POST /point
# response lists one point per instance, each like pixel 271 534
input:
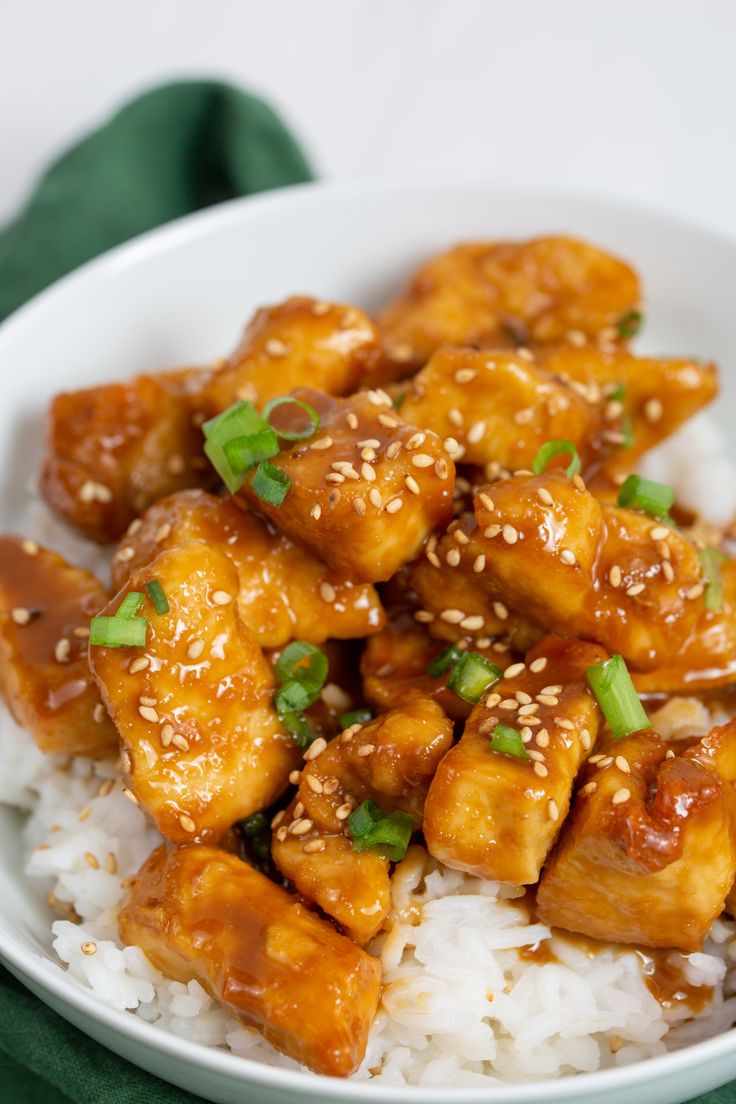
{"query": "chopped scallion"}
pixel 118 632
pixel 302 662
pixel 642 494
pixel 472 676
pixel 242 453
pixel 619 392
pixel 130 604
pixel 226 444
pixel 254 825
pixel 373 829
pixel 270 483
pixel 292 697
pixel 711 560
pixel 293 435
pixel 356 716
pixel 157 596
pixel 444 661
pixel 297 725
pixel 611 683
pixel 630 323
pixel 627 431
pixel 557 448
pixel 398 400
pixel 508 741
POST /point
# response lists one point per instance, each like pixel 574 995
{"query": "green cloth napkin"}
pixel 169 152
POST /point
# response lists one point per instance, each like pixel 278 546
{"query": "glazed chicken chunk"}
pixel 301 342
pixel 496 813
pixel 45 608
pixel 113 450
pixel 390 760
pixel 199 912
pixel 501 407
pixel 648 853
pixel 503 293
pixel 366 491
pixel 202 746
pixel 614 575
pixel 280 583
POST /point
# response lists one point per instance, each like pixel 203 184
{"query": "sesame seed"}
pixel 537 756
pixel 492 701
pixel 99 713
pixel 279 815
pixel 387 421
pixel 522 697
pixel 491 531
pixel 694 591
pixel 367 472
pixel 578 482
pixel 88 947
pixel 668 571
pixel 125 554
pixel 321 443
pixel 453 448
pixel 366 749
pixel 195 649
pixel 525 354
pixel 589 788
pixel 476 432
pixel 369 442
pixel 138 664
pixel 622 764
pixel 415 441
pixel 615 576
pixel 352 420
pixel 62 650
pixel 434 559
pixel 221 598
pixel 461 536
pixel 576 338
pixel 316 512
pixel 586 739
pixel 94 492
pixel 669 754
pixel 653 410
pixel 543 738
pixel 453 557
pixel 465 375
pixel 275 348
pixel 311 846
pixel 394 505
pixel 180 742
pixel 148 713
pixel 148 701
pixel 509 703
pixel 538 665
pixel 441 469
pixel 162 533
pixel 314 784
pixel 359 506
pixel 393 450
pixel 301 827
pixel 167 734
pixel 29 547
pixel 368 454
pixel 541 770
pixel 500 611
pixel 479 563
pixel 523 417
pixel 548 699
pixel 486 501
pixel 81 633
pixel 424 617
pixel 473 623
pixel 315 748
pixel 562 722
pixel 344 811
pixel 514 670
pixel 664 550
pixel 455 417
pixel 510 535
pixel 526 734
pixel 187 823
pixel 91 860
pixel 605 762
pixel 659 533
pixel 327 592
pixel 529 709
pixel 422 460
pixel 282 833
pixel 567 556
pixel 334 477
pixel 545 497
pixel 637 588
pixel 552 810
pixel 452 616
pixel 620 796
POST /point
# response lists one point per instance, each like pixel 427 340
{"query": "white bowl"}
pixel 181 295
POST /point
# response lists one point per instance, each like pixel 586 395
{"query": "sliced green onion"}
pixel 556 448
pixel 611 683
pixel 619 392
pixel 239 422
pixel 297 725
pixel 254 825
pixel 118 632
pixel 508 741
pixel 292 697
pixel 444 661
pixel 157 596
pixel 261 846
pixel 292 435
pixel 291 665
pixel 270 483
pixel 472 676
pixel 711 560
pixel 630 323
pixel 642 494
pixel 356 716
pixel 130 604
pixel 399 400
pixel 627 432
pixel 374 829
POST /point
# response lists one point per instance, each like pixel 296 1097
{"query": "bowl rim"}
pixel 48 975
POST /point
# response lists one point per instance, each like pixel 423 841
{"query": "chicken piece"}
pixel 113 450
pixel 280 584
pixel 604 573
pixel 301 342
pixel 501 406
pixel 453 603
pixel 504 293
pixel 45 607
pixel 707 659
pixel 199 912
pixel 202 746
pixel 391 760
pixel 658 394
pixel 366 491
pixel 648 853
pixel 497 815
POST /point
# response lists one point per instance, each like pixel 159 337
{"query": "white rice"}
pixel 460 1006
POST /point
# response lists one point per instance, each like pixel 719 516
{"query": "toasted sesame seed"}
pixel 334 477
pixel 81 632
pixel 586 739
pixel 548 699
pixel 301 827
pixel 180 741
pixel 637 588
pixel 375 499
pixel 620 796
pixel 393 450
pixel 140 663
pixel 605 762
pixel 543 738
pixel 411 484
pixel 523 417
pixel 148 713
pixel 387 421
pixel 29 547
pixel 455 416
pixel 415 441
pixel 553 810
pixel 479 563
pixel 664 550
pixel 578 482
pixel 167 734
pixel 344 811
pixel 508 703
pixel 491 531
pixel 514 670
pixel 472 624
pixel 282 833
pixel 221 598
pixel 88 947
pixel 352 419
pixel 195 649
pixel 492 701
pixel 668 571
pixel 321 443
pixel 500 611
pixel 314 784
pixel 694 591
pixel 465 375
pixel 62 650
pixel 562 722
pixel 162 533
pixel 589 788
pixel 327 591
pixel 422 460
pixel 615 576
pixel 567 556
pixel 148 701
pixel 369 442
pixel 314 845
pixel 545 497
pixel 187 823
pixel 622 764
pixel 486 501
pixel 275 348
pixel 537 756
pixel 94 492
pixel 441 469
pixel 510 535
pixel 538 664
pixel 476 432
pixel 529 709
pixel 279 815
pixel 99 713
pixel 522 697
pixel 526 734
pixel 368 454
pixel 394 505
pixel 125 554
pixel 576 338
pixel 453 557
pixel 653 410
pixel 452 616
pixel 453 448
pixel 596 758
pixel 659 533
pixel 669 754
pixel 315 748
pixel 541 770
pixel 316 512
pixel 424 617
pixel 366 749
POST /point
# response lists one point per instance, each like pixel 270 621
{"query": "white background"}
pixel 634 99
